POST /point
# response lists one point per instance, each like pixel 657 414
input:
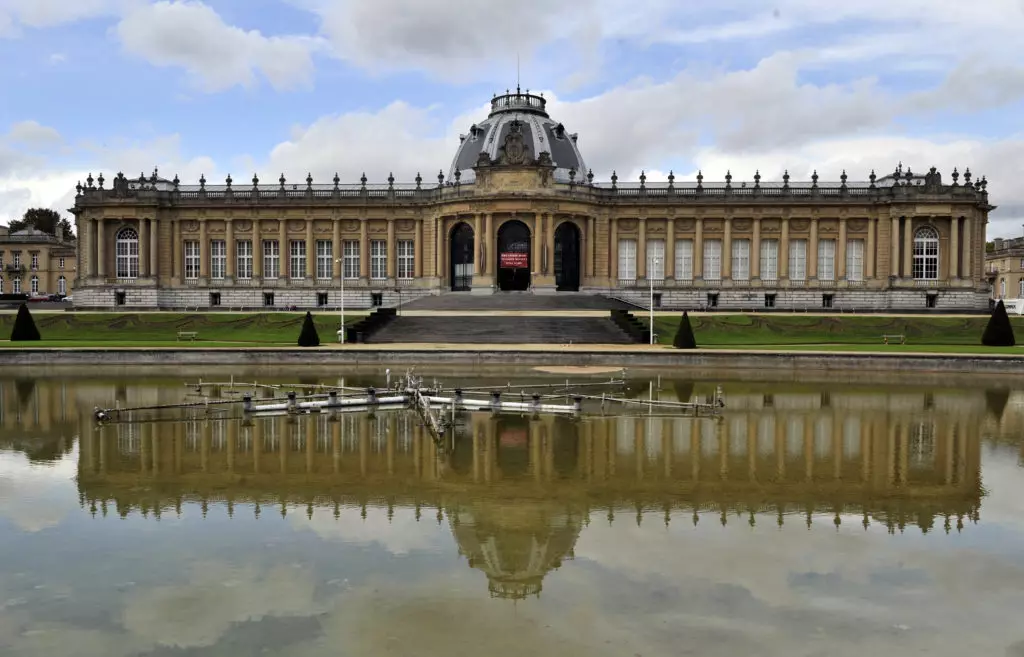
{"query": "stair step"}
pixel 517 301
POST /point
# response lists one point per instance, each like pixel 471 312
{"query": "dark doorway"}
pixel 514 260
pixel 462 258
pixel 567 257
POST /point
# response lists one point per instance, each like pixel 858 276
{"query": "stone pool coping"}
pixel 635 356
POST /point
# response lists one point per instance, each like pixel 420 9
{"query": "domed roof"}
pixel 540 134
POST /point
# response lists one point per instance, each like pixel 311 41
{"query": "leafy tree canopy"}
pixel 44 219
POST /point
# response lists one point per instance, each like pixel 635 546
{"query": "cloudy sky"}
pixel 297 86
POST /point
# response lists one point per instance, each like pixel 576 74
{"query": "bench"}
pixel 902 338
pixel 187 335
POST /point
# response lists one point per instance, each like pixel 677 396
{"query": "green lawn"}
pixel 161 329
pixel 856 332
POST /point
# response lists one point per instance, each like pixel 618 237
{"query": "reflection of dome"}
pixel 516 544
pixel 540 134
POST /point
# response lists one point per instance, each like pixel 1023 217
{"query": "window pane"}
pixel 769 260
pixel 798 260
pixel 684 260
pixel 712 260
pixel 351 264
pixel 740 260
pixel 855 260
pixel 627 260
pixel 656 260
pixel 826 260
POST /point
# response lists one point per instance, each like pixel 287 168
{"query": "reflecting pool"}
pixel 808 519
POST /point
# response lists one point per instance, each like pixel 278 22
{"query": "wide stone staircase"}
pixel 484 329
pixel 517 301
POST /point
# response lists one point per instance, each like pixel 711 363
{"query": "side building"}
pixel 519 210
pixel 1004 267
pixel 36 262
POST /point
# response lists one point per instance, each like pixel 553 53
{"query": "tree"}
pixel 24 326
pixel 309 337
pixel 684 335
pixel 999 332
pixel 44 219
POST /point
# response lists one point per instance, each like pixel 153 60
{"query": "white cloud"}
pixel 400 535
pixel 218 56
pixel 51 489
pixel 32 133
pixel 49 13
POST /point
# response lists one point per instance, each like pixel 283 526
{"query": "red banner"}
pixel 510 260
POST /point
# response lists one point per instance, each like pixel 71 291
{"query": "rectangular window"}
pixel 214 298
pixel 684 260
pixel 798 260
pixel 17 258
pixel 324 259
pixel 378 260
pixel 712 260
pixel 826 260
pixel 298 259
pixel 271 260
pixel 740 260
pixel 126 258
pixel 351 263
pixel 627 260
pixel 35 261
pixel 60 261
pixel 406 257
pixel 1 257
pixel 855 260
pixel 120 298
pixel 769 301
pixel 655 260
pixel 376 299
pixel 191 260
pixel 34 285
pixel 268 298
pixel 16 285
pixel 769 261
pixel 321 299
pixel 243 260
pixel 712 299
pixel 826 300
pixel 218 259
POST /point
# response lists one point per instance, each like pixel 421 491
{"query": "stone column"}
pixel 908 247
pixel 143 248
pixel 101 269
pixel 841 250
pixel 364 249
pixel 613 250
pixel 549 244
pixel 869 249
pixel 204 250
pixel 154 248
pixel 392 250
pixel 591 246
pixel 439 248
pixel 337 251
pixel 285 249
pixel 727 249
pixel 812 251
pixel 670 248
pixel 784 250
pixel 968 272
pixel 257 253
pixel 698 249
pixel 230 255
pixel 478 240
pixel 310 251
pixel 177 269
pixel 417 253
pixel 755 251
pixel 894 247
pixel 538 240
pixel 954 248
pixel 641 248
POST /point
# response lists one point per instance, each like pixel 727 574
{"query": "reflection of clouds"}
pixel 37 496
pixel 400 535
pixel 1004 483
pixel 200 611
pixel 918 589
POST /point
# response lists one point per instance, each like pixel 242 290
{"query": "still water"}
pixel 825 519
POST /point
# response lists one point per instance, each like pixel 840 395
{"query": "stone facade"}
pixel 899 242
pixel 1004 267
pixel 32 261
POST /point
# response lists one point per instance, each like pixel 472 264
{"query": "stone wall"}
pixel 849 300
pixel 151 298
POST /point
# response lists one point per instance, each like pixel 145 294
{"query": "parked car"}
pixel 37 298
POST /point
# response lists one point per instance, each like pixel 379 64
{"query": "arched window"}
pixel 34 285
pixel 926 254
pixel 62 286
pixel 127 252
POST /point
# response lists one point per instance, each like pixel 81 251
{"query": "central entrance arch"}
pixel 514 261
pixel 461 258
pixel 567 257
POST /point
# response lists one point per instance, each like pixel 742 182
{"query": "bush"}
pixel 24 326
pixel 684 335
pixel 999 332
pixel 309 337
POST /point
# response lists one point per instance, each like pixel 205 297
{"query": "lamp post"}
pixel 341 318
pixel 650 279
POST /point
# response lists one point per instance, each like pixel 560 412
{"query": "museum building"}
pixel 518 210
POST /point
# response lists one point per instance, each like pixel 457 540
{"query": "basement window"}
pixel 119 298
pixel 769 301
pixel 931 300
pixel 376 299
pixel 214 299
pixel 268 298
pixel 657 300
pixel 712 299
pixel 321 299
pixel 826 300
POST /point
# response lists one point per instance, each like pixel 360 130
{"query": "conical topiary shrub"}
pixel 684 335
pixel 999 332
pixel 24 326
pixel 309 337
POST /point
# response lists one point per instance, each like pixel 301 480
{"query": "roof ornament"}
pixel 391 180
pixel 100 180
pixel 89 180
pixel 757 179
pixel 362 181
pixel 814 179
pixel 309 180
pixel 590 176
pixel 643 179
pixel 255 181
pixel 281 180
pixel 700 180
pixel 872 178
pixel 984 184
pixel 967 177
pixel 419 180
pixel 176 182
pixel 202 182
pixel 785 180
pixel 336 180
pixel 440 175
pixel 572 176
pixel 671 179
pixel 615 179
pixel 956 177
pixel 842 180
pixel 228 181
pixel 78 188
pixel 908 176
pixel 728 179
pixel 458 176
